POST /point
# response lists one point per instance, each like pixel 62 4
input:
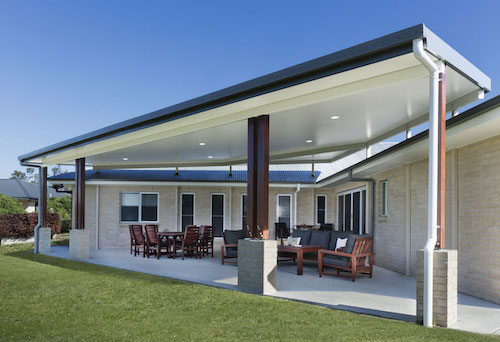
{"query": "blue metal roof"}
pixel 304 177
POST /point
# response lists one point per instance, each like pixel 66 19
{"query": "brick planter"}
pixel 445 287
pixel 257 265
pixel 79 247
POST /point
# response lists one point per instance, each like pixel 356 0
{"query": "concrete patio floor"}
pixel 388 294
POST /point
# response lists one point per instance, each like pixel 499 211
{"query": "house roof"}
pixel 378 86
pixel 303 177
pixel 19 189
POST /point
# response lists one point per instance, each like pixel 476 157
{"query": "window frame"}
pixel 317 207
pixel 384 190
pixel 223 209
pixel 180 208
pixel 291 209
pixel 140 193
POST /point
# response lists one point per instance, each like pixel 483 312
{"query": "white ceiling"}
pixel 373 102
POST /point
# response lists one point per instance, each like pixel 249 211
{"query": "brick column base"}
pixel 257 264
pixel 445 287
pixel 44 239
pixel 79 246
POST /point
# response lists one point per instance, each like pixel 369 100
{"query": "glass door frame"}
pixel 362 211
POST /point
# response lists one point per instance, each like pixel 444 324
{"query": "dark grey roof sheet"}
pixel 304 177
pixel 19 189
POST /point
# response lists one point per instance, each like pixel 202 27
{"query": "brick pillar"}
pixel 445 287
pixel 257 264
pixel 44 239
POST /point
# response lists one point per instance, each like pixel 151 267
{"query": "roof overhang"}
pixel 377 89
pixel 476 124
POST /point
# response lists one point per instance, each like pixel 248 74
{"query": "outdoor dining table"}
pixel 174 236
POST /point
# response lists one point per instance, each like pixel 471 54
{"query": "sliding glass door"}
pixel 351 210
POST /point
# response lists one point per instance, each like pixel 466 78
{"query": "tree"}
pixel 61 205
pixel 9 205
pixel 56 170
pixel 29 176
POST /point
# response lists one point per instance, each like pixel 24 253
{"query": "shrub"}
pixel 9 205
pixel 23 225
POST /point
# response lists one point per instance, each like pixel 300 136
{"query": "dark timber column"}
pixel 43 198
pixel 80 193
pixel 258 176
pixel 441 161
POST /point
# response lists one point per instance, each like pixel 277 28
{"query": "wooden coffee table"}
pixel 299 251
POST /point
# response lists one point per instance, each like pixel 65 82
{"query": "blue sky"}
pixel 69 67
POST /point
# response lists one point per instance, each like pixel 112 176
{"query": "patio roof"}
pixel 372 91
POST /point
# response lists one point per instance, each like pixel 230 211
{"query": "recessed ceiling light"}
pixel 202 144
pixel 309 141
pixel 334 117
pixel 210 157
pixel 125 158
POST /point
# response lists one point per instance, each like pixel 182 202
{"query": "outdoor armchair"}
pixel 352 259
pixel 229 250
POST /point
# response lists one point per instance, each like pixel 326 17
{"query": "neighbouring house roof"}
pixel 22 190
pixel 303 177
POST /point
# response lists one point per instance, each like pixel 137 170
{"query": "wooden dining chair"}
pixel 207 234
pixel 153 243
pixel 137 240
pixel 190 242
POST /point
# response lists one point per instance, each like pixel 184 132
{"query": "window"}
pixel 320 209
pixel 383 211
pixel 243 211
pixel 217 213
pixel 139 207
pixel 187 210
pixel 283 212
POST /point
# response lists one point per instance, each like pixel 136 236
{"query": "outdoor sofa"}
pixel 355 257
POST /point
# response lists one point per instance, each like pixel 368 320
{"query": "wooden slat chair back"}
pixel 137 239
pixel 153 242
pixel 207 234
pixel 190 242
pixel 361 248
pixel 354 262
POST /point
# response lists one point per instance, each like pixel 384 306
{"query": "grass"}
pixel 44 298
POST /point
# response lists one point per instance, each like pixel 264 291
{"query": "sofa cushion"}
pixel 305 236
pixel 335 235
pixel 335 260
pixel 320 238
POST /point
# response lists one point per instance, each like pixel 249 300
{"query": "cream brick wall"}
pixel 479 219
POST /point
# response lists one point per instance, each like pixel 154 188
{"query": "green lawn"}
pixel 50 299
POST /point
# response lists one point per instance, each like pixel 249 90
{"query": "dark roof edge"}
pixel 454 121
pixel 375 50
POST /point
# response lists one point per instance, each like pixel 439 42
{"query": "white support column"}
pixel 97 217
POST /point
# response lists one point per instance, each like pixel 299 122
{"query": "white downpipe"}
pixel 36 236
pixel 434 69
pixel 295 204
pixel 97 217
